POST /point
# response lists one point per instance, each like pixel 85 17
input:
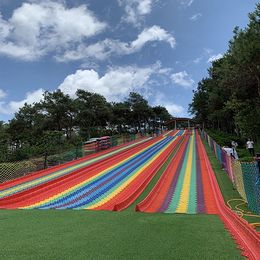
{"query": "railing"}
pixel 243 175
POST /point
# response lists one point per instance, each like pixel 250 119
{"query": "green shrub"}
pixel 55 159
pixel 222 138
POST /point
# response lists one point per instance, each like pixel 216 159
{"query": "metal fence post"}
pixel 45 161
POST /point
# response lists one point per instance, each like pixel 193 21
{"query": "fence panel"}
pixel 12 170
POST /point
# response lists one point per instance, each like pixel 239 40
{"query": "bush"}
pixel 222 138
pixel 55 159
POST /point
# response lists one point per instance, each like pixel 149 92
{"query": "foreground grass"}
pixel 84 234
pixel 69 234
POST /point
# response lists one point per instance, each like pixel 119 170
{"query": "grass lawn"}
pixel 84 234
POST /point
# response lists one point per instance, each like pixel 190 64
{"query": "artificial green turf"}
pixel 85 234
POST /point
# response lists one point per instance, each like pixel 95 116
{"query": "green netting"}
pixel 13 170
pixel 250 177
pixel 243 175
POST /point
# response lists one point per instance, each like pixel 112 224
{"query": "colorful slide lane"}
pixel 111 183
pixel 184 186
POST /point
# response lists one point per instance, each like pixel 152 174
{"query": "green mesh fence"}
pixel 244 176
pixel 13 170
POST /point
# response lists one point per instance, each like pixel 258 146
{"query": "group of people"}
pixel 250 146
pixel 231 151
pixel 234 145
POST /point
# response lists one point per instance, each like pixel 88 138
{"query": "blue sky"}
pixel 160 49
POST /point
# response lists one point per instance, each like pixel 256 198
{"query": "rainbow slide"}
pixel 114 178
pixel 184 186
pixel 108 180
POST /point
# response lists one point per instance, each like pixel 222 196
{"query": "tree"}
pixel 199 106
pixel 93 111
pixel 121 113
pixel 4 141
pixel 139 109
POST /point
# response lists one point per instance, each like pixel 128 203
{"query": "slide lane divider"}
pixel 60 191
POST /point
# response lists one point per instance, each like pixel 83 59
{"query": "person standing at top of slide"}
pixel 250 146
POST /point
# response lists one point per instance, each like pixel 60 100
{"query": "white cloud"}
pixel 136 10
pixel 114 85
pixel 208 55
pixel 186 3
pixel 103 49
pixel 2 94
pixel 144 6
pixel 196 61
pixel 154 33
pixel 13 106
pixel 215 57
pixel 42 27
pixel 182 79
pixel 174 109
pixel 35 29
pixel 5 28
pixel 195 17
pixel 208 51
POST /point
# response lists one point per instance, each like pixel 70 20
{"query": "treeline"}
pixel 229 98
pixel 59 122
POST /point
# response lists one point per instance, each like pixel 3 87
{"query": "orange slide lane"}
pixel 207 187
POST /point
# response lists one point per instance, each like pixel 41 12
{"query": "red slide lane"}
pixel 246 236
pixel 45 172
pixel 133 190
pixel 207 187
pixel 55 186
pixel 154 199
